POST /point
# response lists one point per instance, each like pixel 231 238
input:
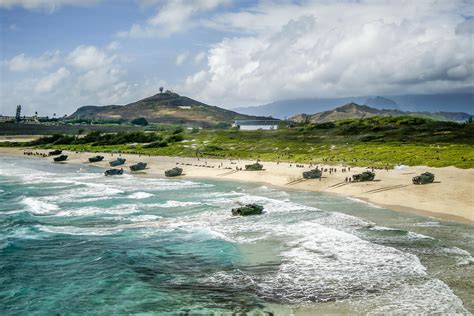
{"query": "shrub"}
pixel 139 121
pixel 212 148
pixel 178 130
pixel 174 138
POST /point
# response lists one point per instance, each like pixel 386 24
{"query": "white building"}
pixel 253 125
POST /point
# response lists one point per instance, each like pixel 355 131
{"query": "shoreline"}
pixel 450 198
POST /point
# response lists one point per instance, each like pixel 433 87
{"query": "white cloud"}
pixel 199 57
pixel 88 57
pixel 172 16
pixel 49 82
pixel 95 77
pixel 50 5
pixel 99 78
pixel 181 58
pixel 22 62
pixel 343 48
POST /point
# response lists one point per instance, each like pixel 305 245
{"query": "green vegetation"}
pixel 139 121
pixel 377 141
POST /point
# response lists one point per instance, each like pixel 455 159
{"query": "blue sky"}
pixel 57 55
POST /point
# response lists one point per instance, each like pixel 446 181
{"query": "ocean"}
pixel 73 241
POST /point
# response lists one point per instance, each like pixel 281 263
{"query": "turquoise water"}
pixel 75 242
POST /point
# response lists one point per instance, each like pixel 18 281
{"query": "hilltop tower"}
pixel 18 114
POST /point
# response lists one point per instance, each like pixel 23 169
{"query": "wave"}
pixel 464 258
pixel 362 201
pixel 432 297
pixel 140 195
pixel 39 207
pixel 172 203
pixel 92 210
pixel 73 230
pixel 399 232
pixel 321 264
pixel 428 224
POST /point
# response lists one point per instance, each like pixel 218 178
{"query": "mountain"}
pixel 286 108
pixel 459 102
pixel 167 107
pixel 353 110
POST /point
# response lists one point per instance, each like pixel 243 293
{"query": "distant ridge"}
pixel 353 110
pixel 166 107
pixel 455 102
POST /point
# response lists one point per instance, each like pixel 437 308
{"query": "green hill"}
pixel 166 107
pixel 354 111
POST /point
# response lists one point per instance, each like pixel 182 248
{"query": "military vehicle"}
pixel 176 171
pixel 55 152
pixel 96 159
pixel 114 172
pixel 364 176
pixel 117 162
pixel 60 158
pixel 312 174
pixel 249 209
pixel 254 167
pixel 424 178
pixel 139 166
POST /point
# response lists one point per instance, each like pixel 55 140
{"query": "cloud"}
pixel 172 16
pixel 199 57
pixel 87 75
pixel 88 57
pixel 49 5
pixel 330 49
pixel 48 83
pixel 22 62
pixel 181 58
pixel 465 27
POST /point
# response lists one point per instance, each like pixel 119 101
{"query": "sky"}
pixel 57 55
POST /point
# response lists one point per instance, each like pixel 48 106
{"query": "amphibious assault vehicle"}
pixel 113 172
pixel 254 167
pixel 139 166
pixel 60 158
pixel 312 174
pixel 249 209
pixel 117 162
pixel 96 158
pixel 424 178
pixel 176 171
pixel 55 152
pixel 364 176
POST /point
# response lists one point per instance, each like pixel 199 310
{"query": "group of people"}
pixel 221 165
pixel 378 168
pixel 30 153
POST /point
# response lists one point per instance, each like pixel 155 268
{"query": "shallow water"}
pixel 74 241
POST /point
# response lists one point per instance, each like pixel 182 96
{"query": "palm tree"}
pixel 161 89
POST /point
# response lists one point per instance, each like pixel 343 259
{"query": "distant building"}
pixel 253 125
pixel 4 118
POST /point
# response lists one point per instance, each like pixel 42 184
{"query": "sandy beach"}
pixel 451 197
